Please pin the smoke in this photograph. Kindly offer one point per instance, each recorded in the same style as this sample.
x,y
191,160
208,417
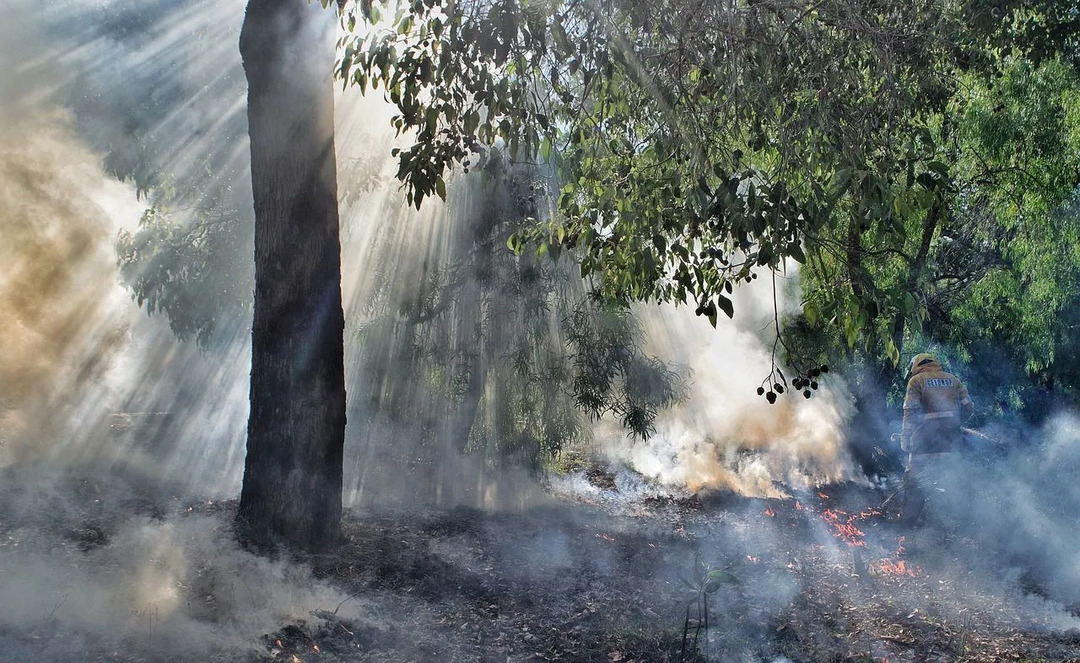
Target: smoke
x,y
62,315
85,378
1020,504
105,419
154,78
725,436
89,566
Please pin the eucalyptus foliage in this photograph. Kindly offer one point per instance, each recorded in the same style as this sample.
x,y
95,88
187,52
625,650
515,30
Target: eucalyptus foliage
x,y
694,141
880,144
192,265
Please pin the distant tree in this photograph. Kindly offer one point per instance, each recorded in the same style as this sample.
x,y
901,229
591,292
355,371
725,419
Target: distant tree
x,y
492,353
190,257
191,264
986,262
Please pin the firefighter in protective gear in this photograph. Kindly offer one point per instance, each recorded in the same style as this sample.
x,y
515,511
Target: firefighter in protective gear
x,y
935,407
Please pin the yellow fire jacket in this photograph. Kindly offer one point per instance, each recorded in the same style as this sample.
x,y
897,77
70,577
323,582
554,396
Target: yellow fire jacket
x,y
935,406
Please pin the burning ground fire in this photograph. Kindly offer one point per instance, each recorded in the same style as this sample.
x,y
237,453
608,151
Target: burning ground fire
x,y
845,526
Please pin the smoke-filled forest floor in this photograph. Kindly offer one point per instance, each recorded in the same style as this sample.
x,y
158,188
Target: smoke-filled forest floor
x,y
600,573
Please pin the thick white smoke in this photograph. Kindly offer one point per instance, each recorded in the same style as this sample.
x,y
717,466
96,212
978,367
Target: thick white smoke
x,y
1021,505
725,435
83,575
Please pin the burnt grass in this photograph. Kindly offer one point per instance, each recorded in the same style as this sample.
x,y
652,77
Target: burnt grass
x,y
596,575
601,579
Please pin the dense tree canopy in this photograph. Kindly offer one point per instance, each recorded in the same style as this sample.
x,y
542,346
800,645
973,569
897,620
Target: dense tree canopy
x,y
917,159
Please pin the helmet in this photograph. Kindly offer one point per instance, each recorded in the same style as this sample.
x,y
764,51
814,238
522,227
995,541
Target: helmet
x,y
919,360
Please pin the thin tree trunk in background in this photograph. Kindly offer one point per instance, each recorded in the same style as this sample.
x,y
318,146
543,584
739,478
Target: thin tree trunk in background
x,y
916,268
291,492
857,277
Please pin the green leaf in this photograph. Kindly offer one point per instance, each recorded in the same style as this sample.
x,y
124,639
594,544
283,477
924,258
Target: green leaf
x,y
939,168
561,40
838,185
726,306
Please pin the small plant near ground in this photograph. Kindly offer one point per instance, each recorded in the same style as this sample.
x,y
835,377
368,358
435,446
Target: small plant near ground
x,y
704,581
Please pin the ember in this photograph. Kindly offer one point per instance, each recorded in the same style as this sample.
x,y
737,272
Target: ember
x,y
899,568
844,528
886,566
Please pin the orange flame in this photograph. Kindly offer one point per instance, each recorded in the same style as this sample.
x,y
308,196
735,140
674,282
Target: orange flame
x,y
844,527
898,568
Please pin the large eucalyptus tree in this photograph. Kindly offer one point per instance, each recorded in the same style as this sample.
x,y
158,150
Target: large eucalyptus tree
x,y
291,491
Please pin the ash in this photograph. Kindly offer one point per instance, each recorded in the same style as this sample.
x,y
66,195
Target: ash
x,y
105,570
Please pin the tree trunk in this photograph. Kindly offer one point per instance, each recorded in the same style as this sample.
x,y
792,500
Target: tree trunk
x,y
291,494
917,267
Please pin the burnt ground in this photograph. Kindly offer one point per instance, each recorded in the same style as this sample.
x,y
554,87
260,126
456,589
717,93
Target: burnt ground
x,y
612,580
594,575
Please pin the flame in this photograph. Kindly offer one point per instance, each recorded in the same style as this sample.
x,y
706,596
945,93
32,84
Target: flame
x,y
844,527
897,568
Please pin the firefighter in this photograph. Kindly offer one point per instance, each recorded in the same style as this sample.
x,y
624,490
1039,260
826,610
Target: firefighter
x,y
935,407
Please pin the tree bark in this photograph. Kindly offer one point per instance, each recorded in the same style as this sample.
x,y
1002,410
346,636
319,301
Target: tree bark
x,y
291,494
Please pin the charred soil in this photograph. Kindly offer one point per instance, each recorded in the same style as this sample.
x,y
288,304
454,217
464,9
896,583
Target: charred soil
x,y
604,579
596,576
